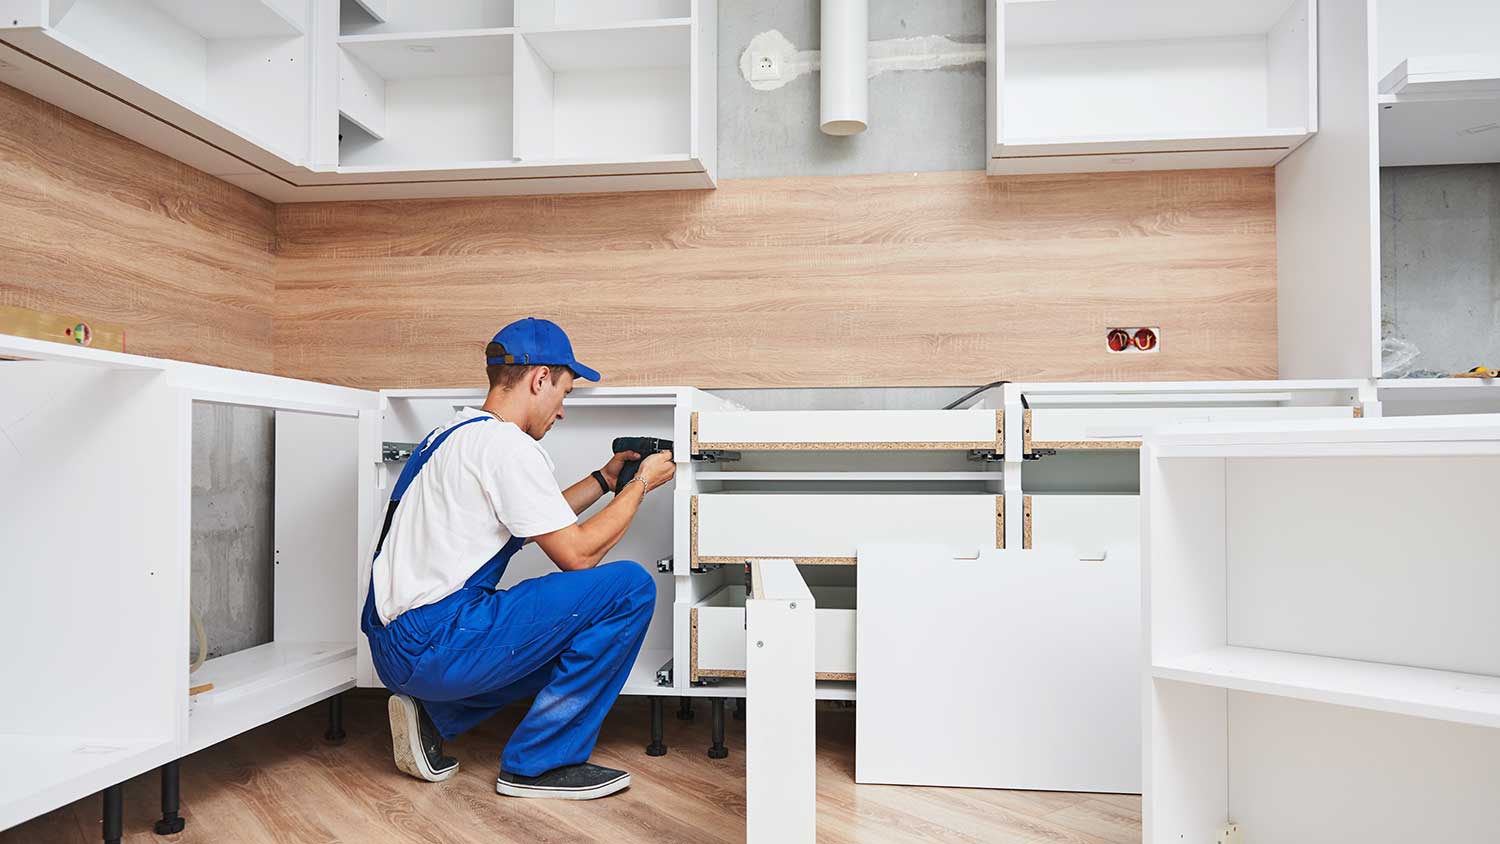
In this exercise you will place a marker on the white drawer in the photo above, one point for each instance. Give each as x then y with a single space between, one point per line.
718 633
848 430
815 529
1064 428
1089 527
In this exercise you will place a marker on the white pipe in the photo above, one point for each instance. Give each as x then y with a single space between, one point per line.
845 107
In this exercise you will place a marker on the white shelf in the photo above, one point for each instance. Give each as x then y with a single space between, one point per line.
579 13
386 17
1441 110
236 18
481 52
263 683
427 100
1420 692
246 672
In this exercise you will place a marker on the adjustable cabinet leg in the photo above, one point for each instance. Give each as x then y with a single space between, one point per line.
739 709
114 813
717 750
656 747
171 792
335 734
684 709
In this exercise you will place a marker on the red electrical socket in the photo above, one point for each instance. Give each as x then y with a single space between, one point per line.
1132 340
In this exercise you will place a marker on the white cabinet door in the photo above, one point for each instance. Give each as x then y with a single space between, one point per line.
1034 654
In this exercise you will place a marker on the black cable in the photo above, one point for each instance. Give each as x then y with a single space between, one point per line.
971 394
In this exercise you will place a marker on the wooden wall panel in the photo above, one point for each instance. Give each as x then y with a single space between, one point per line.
100 227
895 280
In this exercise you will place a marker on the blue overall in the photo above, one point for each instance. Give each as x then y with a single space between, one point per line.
569 638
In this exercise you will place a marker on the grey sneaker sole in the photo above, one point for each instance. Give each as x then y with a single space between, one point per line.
511 789
406 742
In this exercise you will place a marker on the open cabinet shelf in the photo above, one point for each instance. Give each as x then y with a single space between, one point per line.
426 100
1221 84
610 91
1279 690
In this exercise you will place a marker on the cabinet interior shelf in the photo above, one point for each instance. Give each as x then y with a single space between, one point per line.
1421 692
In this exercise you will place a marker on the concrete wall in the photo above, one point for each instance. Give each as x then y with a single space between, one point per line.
919 119
1440 267
232 527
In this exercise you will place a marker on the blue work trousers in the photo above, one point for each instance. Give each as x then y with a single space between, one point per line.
570 638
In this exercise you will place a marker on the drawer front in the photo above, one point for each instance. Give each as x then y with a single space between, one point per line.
848 430
828 529
717 633
1063 428
1088 527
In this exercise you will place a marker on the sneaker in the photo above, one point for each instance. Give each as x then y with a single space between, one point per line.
570 782
416 742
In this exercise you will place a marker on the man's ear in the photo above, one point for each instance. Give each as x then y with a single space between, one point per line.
539 375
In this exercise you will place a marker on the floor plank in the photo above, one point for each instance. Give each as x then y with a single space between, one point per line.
280 784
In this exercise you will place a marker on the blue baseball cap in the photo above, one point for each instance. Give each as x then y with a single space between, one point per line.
537 342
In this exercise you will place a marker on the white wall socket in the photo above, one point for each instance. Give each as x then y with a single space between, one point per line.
764 67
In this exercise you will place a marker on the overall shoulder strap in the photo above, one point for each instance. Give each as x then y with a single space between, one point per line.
418 459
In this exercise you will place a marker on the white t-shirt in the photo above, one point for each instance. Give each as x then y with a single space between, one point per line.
487 482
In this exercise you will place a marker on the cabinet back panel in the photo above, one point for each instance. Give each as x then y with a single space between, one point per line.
1309 772
1387 560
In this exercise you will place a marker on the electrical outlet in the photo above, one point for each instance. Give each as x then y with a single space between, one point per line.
764 67
1124 341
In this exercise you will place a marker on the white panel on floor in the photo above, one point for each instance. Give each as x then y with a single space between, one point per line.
1034 656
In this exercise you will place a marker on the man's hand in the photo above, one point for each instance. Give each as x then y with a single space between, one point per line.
611 470
657 469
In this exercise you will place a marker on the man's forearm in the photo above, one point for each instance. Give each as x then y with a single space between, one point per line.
607 527
582 495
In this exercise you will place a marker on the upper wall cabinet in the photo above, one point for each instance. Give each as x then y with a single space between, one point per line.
301 100
1440 81
1100 85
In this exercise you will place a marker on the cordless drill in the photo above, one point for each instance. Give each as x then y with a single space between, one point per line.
644 446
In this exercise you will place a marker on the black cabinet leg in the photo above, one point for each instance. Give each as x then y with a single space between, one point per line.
717 750
335 733
171 792
114 813
656 747
685 709
739 709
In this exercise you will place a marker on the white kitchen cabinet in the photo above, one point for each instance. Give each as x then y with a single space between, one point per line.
1320 630
1095 85
234 77
97 499
310 100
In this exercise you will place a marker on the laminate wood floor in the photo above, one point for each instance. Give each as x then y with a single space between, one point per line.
281 783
